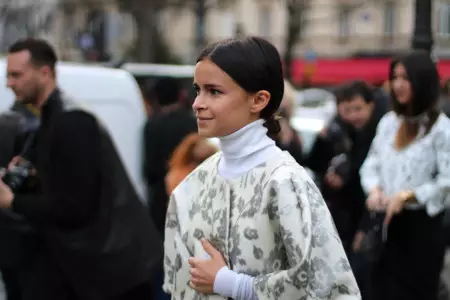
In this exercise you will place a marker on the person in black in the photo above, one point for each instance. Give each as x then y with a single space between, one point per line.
98 240
340 150
163 133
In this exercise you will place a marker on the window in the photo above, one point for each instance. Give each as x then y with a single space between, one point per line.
444 20
389 18
264 21
344 22
228 24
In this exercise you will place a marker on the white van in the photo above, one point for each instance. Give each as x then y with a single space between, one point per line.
114 97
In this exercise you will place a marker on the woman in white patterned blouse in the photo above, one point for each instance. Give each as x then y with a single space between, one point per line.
407 175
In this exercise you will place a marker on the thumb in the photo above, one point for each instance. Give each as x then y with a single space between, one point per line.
213 252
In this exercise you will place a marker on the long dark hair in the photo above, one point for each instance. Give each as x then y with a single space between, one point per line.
425 85
255 65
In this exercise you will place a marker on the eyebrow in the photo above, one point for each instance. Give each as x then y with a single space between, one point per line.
208 85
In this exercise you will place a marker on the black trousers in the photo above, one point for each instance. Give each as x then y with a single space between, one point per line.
45 281
410 264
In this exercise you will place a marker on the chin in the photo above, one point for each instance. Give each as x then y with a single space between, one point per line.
403 100
206 133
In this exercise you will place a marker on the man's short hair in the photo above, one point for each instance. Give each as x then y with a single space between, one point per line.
41 52
354 89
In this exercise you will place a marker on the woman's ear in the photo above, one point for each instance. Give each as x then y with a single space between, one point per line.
260 101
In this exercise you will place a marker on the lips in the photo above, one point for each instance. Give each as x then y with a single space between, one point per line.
204 119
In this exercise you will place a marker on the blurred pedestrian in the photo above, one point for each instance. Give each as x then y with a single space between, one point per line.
99 242
407 176
192 151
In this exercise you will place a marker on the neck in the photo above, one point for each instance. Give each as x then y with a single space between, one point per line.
245 149
43 97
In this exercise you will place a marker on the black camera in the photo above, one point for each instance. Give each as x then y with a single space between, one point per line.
18 175
340 165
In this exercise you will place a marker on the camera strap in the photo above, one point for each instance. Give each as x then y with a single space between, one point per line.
28 143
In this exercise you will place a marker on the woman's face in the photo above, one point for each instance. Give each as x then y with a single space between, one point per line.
401 86
222 106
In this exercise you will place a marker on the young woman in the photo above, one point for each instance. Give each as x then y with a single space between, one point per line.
407 175
248 223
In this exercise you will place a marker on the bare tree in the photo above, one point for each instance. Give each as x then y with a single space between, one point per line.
150 43
201 8
26 19
296 23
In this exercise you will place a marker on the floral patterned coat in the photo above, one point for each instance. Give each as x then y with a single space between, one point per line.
271 223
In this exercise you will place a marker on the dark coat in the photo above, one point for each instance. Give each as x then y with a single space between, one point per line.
97 232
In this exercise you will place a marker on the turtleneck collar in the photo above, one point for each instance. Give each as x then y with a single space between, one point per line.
245 149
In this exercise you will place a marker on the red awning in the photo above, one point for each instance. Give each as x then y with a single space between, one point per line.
337 71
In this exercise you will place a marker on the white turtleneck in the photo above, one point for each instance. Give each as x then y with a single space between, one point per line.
242 151
245 149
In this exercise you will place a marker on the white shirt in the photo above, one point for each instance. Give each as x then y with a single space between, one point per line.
423 166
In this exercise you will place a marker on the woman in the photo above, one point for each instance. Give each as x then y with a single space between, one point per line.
407 174
192 151
249 223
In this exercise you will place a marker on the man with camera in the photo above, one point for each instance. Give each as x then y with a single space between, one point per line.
339 152
337 156
98 241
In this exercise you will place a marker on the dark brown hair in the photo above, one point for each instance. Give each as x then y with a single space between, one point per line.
425 85
41 52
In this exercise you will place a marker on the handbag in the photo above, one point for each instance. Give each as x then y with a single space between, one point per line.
374 240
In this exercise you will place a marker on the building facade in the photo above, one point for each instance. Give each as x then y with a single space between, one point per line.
332 27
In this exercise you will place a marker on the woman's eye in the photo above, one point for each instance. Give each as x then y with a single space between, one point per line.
215 92
197 90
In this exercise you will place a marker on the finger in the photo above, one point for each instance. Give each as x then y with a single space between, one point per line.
196 273
14 161
213 252
199 281
199 288
388 217
192 261
192 285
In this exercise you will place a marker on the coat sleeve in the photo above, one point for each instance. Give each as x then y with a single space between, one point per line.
317 264
370 169
434 193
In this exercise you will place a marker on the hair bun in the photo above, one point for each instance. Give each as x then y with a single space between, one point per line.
273 125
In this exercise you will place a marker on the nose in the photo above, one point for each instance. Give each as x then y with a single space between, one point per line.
397 84
10 82
199 103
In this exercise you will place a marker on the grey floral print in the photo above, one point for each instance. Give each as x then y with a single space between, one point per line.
270 223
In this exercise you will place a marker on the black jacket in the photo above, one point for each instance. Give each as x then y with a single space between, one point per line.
163 133
96 229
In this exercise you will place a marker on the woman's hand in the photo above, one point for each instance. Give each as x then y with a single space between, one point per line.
204 271
376 200
396 204
359 236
